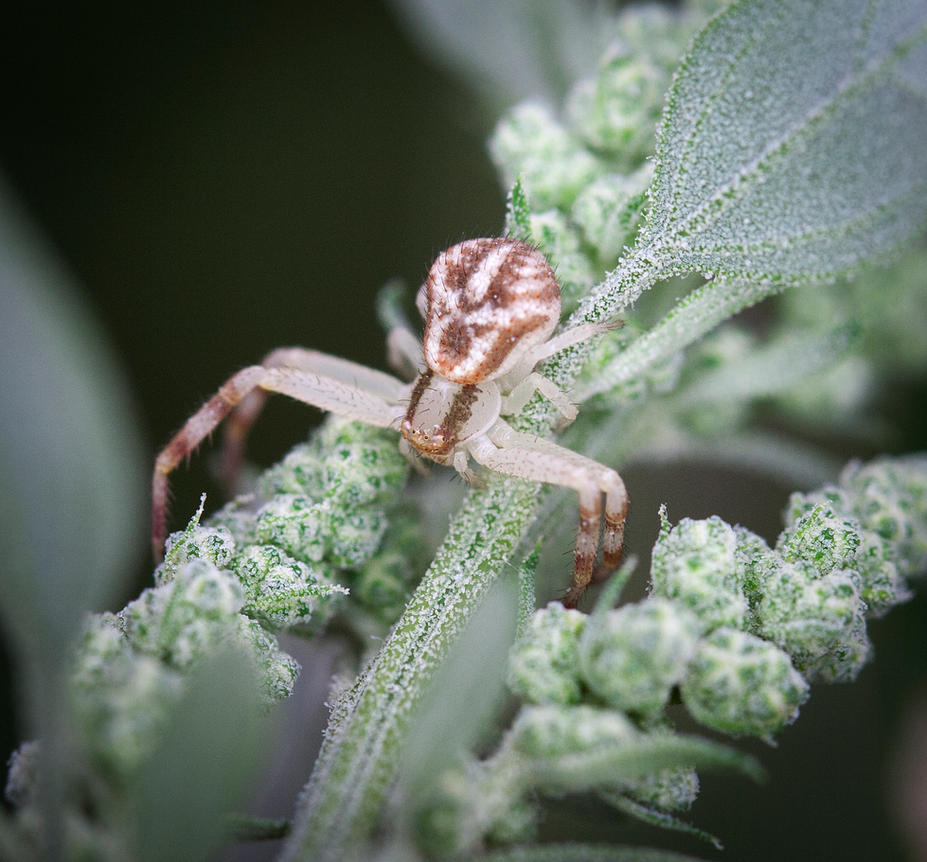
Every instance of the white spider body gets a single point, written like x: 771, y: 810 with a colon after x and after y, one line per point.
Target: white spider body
x: 490, y: 307
x: 443, y: 416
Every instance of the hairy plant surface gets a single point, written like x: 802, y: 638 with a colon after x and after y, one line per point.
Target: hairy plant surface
x: 782, y: 154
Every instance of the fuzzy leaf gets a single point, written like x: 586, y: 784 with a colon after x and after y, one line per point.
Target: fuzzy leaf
x: 791, y: 146
x: 203, y: 765
x: 69, y: 453
x: 463, y: 696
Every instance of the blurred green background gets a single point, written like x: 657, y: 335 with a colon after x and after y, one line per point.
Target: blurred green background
x: 225, y: 178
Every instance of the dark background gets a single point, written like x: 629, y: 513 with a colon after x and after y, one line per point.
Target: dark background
x: 225, y: 178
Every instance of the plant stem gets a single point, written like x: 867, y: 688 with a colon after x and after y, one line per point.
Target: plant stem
x: 361, y: 750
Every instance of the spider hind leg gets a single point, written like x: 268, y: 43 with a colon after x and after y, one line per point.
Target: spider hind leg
x: 515, y: 454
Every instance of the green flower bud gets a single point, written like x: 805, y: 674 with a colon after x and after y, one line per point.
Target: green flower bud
x: 632, y: 657
x: 754, y: 561
x: 662, y: 33
x: 237, y: 516
x: 213, y: 544
x: 355, y: 535
x: 837, y: 499
x: 121, y: 698
x: 276, y: 669
x: 282, y: 592
x: 383, y: 585
x: 296, y: 524
x: 616, y: 111
x: 667, y: 790
x: 302, y: 471
x: 741, y: 684
x: 517, y: 825
x: 891, y: 499
x: 818, y: 621
x: 558, y: 239
x: 814, y: 531
x: 544, y: 663
x: 881, y: 586
x: 553, y: 166
x: 347, y: 462
x: 822, y: 539
x: 362, y: 463
x: 439, y: 822
x: 694, y: 562
x: 609, y: 211
x: 184, y: 618
x: 551, y: 731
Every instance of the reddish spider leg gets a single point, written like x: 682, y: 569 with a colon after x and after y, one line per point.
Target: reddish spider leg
x: 524, y: 456
x: 242, y: 418
x: 326, y: 382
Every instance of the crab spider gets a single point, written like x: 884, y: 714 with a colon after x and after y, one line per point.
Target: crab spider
x: 490, y: 307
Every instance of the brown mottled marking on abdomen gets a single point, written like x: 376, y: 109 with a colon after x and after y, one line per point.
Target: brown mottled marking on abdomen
x: 484, y: 298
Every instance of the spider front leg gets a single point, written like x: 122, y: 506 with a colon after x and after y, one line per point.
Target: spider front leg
x: 246, y: 412
x: 535, y: 382
x: 404, y: 352
x: 515, y: 454
x: 350, y: 390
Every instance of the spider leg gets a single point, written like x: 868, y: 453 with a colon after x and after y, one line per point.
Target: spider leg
x: 249, y: 408
x: 335, y: 394
x: 535, y: 382
x: 516, y: 454
x: 571, y: 336
x: 404, y: 351
x: 530, y: 381
x: 462, y: 466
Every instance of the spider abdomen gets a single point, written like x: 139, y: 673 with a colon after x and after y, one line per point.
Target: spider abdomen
x: 487, y: 302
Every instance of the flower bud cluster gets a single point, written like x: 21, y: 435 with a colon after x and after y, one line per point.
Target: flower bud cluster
x: 735, y: 627
x: 585, y: 172
x: 844, y: 555
x: 254, y: 569
x: 327, y: 508
x: 130, y: 667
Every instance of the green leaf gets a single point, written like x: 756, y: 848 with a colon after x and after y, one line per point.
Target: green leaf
x: 655, y: 817
x: 791, y: 146
x: 70, y: 489
x: 360, y: 754
x: 772, y: 368
x: 203, y: 766
x: 463, y: 695
x: 509, y: 49
x: 518, y: 212
x: 69, y: 451
x: 638, y: 758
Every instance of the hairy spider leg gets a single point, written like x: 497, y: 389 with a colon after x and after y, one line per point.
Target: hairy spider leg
x: 326, y: 392
x: 404, y: 352
x: 516, y: 454
x: 522, y: 393
x: 245, y: 414
x: 561, y: 341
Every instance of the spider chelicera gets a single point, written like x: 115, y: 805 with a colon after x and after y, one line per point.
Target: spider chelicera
x: 490, y: 306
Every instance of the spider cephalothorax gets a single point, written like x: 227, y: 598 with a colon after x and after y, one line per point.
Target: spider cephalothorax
x: 490, y: 306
